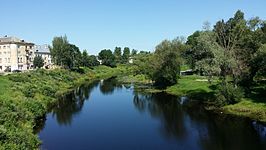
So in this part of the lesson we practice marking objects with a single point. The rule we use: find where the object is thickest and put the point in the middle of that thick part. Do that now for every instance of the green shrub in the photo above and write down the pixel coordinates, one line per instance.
(228, 94)
(18, 78)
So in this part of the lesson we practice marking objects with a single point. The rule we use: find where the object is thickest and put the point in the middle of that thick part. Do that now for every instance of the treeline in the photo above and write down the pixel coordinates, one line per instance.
(69, 56)
(232, 50)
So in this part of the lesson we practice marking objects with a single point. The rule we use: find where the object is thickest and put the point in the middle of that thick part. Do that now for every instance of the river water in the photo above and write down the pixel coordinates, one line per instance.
(109, 115)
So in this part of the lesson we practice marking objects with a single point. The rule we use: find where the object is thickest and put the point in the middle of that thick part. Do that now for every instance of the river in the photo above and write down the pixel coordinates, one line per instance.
(109, 115)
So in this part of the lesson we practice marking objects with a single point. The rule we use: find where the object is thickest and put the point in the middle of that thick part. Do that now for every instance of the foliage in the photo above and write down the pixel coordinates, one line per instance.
(89, 60)
(107, 58)
(227, 93)
(65, 54)
(166, 62)
(118, 54)
(259, 61)
(38, 62)
(126, 55)
(92, 61)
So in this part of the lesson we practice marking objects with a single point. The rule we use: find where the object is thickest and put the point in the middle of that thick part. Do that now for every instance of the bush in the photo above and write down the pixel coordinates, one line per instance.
(228, 94)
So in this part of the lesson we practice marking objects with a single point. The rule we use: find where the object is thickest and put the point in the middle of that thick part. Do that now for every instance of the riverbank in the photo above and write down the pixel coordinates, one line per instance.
(197, 87)
(25, 97)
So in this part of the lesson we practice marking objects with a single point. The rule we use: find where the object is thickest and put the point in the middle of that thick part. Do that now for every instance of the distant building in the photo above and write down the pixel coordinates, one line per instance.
(15, 54)
(44, 52)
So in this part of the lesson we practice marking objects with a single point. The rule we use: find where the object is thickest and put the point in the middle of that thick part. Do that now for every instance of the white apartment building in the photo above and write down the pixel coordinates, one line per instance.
(15, 54)
(44, 52)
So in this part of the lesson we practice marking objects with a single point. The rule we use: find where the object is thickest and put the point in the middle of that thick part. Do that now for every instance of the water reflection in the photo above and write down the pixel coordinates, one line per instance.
(108, 86)
(70, 104)
(180, 122)
(191, 124)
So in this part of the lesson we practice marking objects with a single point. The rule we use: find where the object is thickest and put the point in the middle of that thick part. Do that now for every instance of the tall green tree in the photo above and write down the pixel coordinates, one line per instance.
(166, 62)
(65, 54)
(126, 55)
(118, 54)
(59, 49)
(85, 59)
(107, 58)
(134, 52)
(228, 35)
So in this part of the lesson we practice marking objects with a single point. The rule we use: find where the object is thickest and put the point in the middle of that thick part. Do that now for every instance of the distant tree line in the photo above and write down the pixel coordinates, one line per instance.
(111, 59)
(69, 56)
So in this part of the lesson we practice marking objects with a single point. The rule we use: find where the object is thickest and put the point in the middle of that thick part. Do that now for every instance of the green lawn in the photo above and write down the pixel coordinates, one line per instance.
(248, 108)
(193, 86)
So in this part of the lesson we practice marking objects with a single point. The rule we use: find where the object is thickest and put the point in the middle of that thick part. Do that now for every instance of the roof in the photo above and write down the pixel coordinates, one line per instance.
(13, 40)
(41, 48)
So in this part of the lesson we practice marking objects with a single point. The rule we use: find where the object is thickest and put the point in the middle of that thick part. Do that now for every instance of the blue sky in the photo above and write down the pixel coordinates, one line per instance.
(98, 24)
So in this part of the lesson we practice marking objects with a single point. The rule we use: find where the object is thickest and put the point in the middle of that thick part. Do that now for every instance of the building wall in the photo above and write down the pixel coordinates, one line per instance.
(16, 56)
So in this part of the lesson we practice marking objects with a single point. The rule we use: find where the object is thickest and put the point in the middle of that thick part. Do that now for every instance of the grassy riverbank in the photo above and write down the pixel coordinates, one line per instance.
(24, 97)
(197, 87)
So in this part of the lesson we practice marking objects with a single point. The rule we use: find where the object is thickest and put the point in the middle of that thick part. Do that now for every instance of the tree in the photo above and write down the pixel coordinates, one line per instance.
(228, 35)
(38, 62)
(259, 63)
(92, 61)
(58, 49)
(118, 54)
(126, 54)
(166, 62)
(65, 54)
(85, 59)
(134, 52)
(107, 58)
(75, 56)
(214, 56)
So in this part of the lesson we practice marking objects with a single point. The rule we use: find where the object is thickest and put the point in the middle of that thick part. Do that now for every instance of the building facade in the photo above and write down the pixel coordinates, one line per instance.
(44, 52)
(15, 54)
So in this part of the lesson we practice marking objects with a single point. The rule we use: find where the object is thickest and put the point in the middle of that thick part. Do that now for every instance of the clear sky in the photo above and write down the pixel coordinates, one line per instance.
(98, 24)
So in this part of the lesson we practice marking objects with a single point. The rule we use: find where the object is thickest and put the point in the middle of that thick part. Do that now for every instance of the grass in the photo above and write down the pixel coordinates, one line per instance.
(193, 86)
(25, 97)
(248, 108)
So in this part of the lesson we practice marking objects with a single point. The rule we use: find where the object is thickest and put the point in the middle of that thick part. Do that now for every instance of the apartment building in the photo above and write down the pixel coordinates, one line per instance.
(44, 52)
(15, 54)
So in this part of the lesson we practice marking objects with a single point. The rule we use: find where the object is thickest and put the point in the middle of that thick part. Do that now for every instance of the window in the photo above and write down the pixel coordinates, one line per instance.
(8, 52)
(19, 52)
(8, 60)
(0, 60)
(4, 47)
(0, 47)
(18, 46)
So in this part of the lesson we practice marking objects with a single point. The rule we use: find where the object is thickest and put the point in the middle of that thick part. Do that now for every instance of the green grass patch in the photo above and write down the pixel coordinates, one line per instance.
(193, 86)
(248, 108)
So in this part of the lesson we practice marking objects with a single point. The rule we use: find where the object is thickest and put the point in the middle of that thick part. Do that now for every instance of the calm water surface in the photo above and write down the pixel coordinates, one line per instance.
(108, 115)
